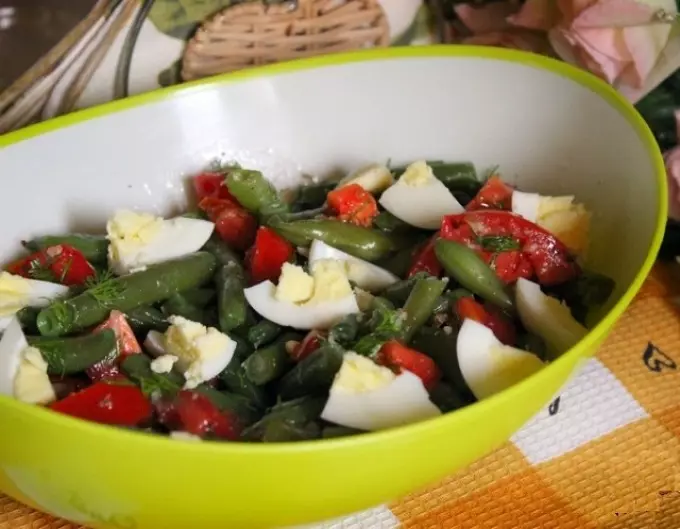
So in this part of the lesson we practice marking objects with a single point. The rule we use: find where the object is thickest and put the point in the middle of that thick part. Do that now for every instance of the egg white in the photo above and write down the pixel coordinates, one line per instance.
(365, 275)
(39, 294)
(322, 315)
(547, 318)
(405, 400)
(422, 206)
(373, 178)
(487, 365)
(526, 205)
(177, 237)
(12, 344)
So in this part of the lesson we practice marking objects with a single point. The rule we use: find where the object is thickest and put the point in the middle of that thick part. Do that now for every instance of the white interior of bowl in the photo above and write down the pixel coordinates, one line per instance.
(547, 133)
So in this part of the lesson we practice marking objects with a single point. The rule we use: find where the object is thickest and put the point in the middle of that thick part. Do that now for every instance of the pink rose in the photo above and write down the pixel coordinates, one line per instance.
(672, 159)
(618, 40)
(518, 40)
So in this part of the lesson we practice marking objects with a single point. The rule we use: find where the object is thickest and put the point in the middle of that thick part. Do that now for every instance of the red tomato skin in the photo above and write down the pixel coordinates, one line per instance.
(127, 345)
(196, 415)
(502, 327)
(495, 194)
(395, 355)
(352, 203)
(234, 225)
(107, 403)
(64, 264)
(267, 256)
(426, 260)
(211, 184)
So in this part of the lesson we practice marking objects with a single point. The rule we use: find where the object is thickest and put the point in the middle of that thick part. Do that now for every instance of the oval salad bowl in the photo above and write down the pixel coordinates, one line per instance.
(548, 128)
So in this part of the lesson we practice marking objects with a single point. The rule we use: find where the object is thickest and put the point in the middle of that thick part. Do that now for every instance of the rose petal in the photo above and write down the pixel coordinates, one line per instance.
(605, 47)
(645, 44)
(570, 9)
(487, 18)
(614, 13)
(537, 14)
(672, 160)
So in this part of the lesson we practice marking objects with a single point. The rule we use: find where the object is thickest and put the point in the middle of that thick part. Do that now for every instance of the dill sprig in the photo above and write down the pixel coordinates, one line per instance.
(104, 288)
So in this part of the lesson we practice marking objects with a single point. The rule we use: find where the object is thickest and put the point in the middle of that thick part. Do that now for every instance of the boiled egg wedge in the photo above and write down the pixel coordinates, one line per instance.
(419, 198)
(373, 178)
(23, 370)
(17, 292)
(567, 221)
(137, 240)
(370, 397)
(487, 365)
(305, 301)
(546, 317)
(201, 353)
(363, 274)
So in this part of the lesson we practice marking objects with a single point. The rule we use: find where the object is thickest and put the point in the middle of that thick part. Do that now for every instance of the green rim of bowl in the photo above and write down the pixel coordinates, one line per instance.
(580, 350)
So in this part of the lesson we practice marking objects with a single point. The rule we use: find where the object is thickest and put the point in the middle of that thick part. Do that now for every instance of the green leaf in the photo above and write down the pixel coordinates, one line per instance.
(498, 243)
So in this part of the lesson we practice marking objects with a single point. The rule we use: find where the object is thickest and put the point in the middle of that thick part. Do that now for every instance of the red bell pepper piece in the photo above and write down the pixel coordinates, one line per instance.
(211, 184)
(307, 346)
(469, 308)
(353, 204)
(265, 259)
(513, 246)
(394, 354)
(121, 404)
(127, 345)
(494, 194)
(60, 263)
(194, 413)
(232, 222)
(426, 260)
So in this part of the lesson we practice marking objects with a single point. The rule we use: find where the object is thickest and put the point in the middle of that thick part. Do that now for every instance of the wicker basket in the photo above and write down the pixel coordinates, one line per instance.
(254, 33)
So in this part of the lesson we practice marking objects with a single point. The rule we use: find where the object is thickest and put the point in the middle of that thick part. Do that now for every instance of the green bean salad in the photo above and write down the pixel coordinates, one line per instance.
(344, 308)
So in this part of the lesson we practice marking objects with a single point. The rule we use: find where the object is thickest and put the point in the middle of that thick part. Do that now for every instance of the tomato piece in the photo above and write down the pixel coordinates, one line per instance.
(394, 354)
(307, 346)
(127, 345)
(211, 184)
(121, 404)
(234, 224)
(501, 325)
(352, 203)
(513, 246)
(60, 263)
(469, 308)
(426, 260)
(494, 194)
(265, 259)
(197, 415)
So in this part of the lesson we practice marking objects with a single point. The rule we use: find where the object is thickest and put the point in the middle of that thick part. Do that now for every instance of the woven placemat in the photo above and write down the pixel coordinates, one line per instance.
(604, 455)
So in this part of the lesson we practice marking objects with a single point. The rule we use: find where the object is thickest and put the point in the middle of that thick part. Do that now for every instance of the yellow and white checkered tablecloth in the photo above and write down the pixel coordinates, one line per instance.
(604, 455)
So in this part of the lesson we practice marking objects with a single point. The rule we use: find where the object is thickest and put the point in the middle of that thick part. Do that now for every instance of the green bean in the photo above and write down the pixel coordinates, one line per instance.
(420, 304)
(199, 297)
(385, 221)
(158, 282)
(332, 432)
(231, 301)
(280, 431)
(138, 368)
(270, 362)
(254, 192)
(178, 305)
(221, 251)
(65, 356)
(93, 247)
(533, 344)
(361, 242)
(263, 333)
(27, 317)
(313, 374)
(466, 267)
(446, 398)
(584, 293)
(458, 176)
(196, 214)
(240, 406)
(399, 292)
(146, 318)
(440, 345)
(345, 331)
(298, 412)
(398, 263)
(235, 380)
(312, 195)
(243, 347)
(447, 301)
